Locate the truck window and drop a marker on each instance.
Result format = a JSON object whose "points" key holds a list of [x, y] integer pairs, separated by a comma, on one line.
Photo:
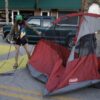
{"points": [[47, 23], [35, 22]]}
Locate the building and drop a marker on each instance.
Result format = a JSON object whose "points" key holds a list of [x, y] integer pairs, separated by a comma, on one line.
{"points": [[37, 8]]}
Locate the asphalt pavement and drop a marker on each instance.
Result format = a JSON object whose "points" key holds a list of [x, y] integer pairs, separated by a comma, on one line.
{"points": [[21, 86]]}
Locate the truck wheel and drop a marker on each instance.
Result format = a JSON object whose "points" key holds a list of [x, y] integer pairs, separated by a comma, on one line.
{"points": [[9, 39], [5, 34]]}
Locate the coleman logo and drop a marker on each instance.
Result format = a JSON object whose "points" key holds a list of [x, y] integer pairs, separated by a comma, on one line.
{"points": [[73, 80]]}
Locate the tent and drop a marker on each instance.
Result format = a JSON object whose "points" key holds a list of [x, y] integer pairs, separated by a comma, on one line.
{"points": [[64, 70]]}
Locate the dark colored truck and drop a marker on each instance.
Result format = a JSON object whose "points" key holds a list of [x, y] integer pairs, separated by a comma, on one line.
{"points": [[61, 33]]}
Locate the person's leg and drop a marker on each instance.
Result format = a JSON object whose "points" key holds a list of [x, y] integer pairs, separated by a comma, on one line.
{"points": [[16, 56], [27, 51]]}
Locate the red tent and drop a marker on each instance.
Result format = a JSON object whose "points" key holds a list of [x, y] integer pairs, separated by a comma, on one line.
{"points": [[63, 70]]}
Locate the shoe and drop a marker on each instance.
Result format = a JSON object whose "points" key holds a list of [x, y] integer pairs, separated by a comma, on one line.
{"points": [[15, 66]]}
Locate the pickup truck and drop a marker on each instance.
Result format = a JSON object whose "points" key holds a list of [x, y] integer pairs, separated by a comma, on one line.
{"points": [[60, 33]]}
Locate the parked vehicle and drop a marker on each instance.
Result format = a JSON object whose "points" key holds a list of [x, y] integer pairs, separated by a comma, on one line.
{"points": [[62, 33]]}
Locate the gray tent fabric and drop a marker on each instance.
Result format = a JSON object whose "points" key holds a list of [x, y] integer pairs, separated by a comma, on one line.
{"points": [[71, 87], [41, 77], [86, 41], [89, 25]]}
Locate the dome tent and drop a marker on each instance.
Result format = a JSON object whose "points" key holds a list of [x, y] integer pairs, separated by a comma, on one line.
{"points": [[64, 70]]}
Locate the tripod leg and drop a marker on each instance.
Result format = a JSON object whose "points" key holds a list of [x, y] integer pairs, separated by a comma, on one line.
{"points": [[9, 51]]}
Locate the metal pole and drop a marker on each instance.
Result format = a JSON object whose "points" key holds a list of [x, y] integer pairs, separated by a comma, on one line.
{"points": [[7, 12], [36, 4]]}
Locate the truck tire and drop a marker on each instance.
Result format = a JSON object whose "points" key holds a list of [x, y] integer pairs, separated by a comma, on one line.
{"points": [[9, 39]]}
